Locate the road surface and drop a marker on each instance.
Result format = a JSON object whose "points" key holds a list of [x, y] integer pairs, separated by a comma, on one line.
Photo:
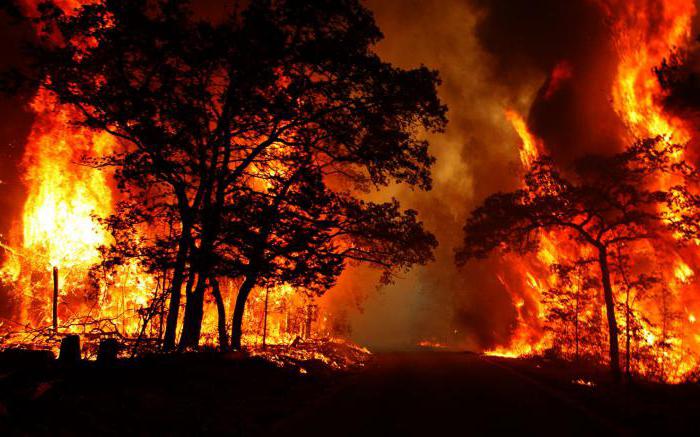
{"points": [[434, 394], [396, 394]]}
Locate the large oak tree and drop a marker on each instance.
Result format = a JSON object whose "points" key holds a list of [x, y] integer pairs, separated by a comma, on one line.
{"points": [[204, 110]]}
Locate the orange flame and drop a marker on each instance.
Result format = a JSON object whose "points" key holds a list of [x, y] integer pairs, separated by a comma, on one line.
{"points": [[529, 144], [644, 34], [58, 229]]}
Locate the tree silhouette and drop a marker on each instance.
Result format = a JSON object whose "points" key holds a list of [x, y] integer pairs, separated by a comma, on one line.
{"points": [[566, 303], [602, 203], [635, 287], [299, 232], [205, 111]]}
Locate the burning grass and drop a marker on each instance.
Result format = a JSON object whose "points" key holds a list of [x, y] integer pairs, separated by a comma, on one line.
{"points": [[333, 354]]}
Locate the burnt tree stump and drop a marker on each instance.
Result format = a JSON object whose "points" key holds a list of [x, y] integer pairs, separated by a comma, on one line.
{"points": [[54, 303], [70, 350], [108, 350]]}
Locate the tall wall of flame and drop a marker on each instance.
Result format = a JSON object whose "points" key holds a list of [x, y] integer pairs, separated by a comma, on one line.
{"points": [[57, 228], [62, 195]]}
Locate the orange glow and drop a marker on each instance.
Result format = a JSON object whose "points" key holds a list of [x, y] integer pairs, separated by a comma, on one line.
{"points": [[58, 229], [562, 72], [62, 195], [644, 33], [431, 344], [529, 145]]}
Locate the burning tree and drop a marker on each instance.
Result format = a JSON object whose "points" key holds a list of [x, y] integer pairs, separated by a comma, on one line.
{"points": [[604, 202], [567, 305], [299, 232], [243, 141], [635, 288]]}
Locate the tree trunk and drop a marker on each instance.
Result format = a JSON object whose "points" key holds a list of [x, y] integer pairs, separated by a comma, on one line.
{"points": [[161, 306], [194, 305], [309, 320], [175, 292], [610, 312], [576, 332], [628, 355], [264, 337], [576, 315], [239, 310], [54, 303], [194, 311], [221, 310]]}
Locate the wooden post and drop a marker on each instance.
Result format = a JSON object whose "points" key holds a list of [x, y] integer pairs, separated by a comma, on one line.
{"points": [[161, 310], [267, 295], [310, 310], [55, 299]]}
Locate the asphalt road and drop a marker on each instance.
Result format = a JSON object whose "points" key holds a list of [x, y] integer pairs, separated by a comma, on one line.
{"points": [[434, 394]]}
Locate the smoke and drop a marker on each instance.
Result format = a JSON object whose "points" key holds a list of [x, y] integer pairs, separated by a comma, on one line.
{"points": [[476, 156], [553, 62], [16, 120]]}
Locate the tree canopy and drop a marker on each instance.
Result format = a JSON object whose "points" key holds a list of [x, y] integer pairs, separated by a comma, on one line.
{"points": [[250, 138], [602, 202]]}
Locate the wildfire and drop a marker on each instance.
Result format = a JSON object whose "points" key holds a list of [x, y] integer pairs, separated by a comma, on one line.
{"points": [[636, 98], [63, 196], [644, 34], [529, 146], [58, 229], [642, 46]]}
